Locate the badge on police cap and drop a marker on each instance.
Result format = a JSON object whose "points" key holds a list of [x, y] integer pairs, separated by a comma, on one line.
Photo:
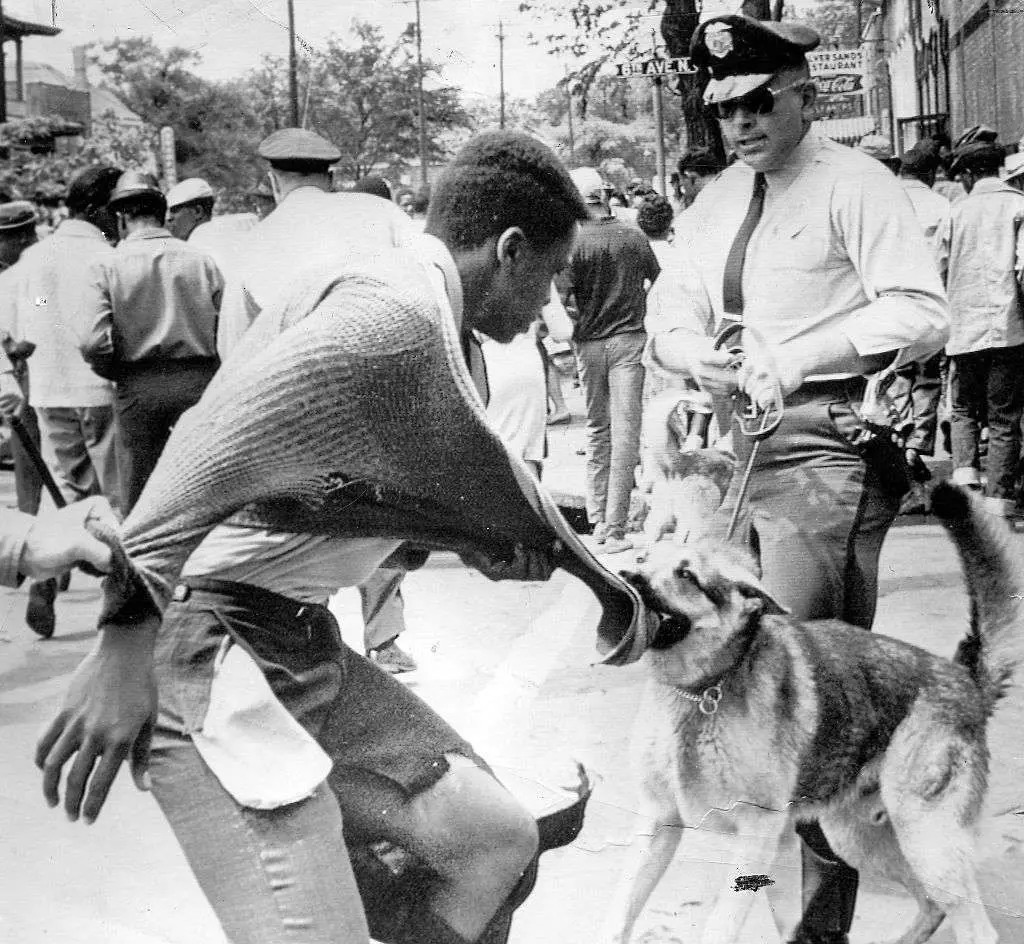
{"points": [[718, 39]]}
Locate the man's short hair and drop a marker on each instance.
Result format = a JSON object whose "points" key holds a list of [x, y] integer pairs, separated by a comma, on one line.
{"points": [[91, 189], [700, 161], [502, 179], [654, 216]]}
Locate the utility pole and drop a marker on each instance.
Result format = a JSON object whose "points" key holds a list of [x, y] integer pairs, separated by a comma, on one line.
{"points": [[419, 97], [659, 123], [572, 138], [501, 74], [293, 68], [3, 68]]}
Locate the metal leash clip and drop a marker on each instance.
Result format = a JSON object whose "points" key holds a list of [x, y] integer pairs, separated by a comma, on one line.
{"points": [[754, 423]]}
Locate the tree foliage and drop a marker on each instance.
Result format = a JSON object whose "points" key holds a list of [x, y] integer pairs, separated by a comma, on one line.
{"points": [[38, 164], [362, 95], [835, 20], [599, 33]]}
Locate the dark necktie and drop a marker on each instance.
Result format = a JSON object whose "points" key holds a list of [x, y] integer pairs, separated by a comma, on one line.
{"points": [[732, 281]]}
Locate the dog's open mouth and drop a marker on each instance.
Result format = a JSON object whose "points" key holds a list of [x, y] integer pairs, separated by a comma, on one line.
{"points": [[672, 628]]}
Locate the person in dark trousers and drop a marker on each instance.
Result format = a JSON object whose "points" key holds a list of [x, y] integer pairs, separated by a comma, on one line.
{"points": [[612, 269], [151, 308], [814, 249]]}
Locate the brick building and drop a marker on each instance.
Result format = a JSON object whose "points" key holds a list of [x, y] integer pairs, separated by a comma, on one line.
{"points": [[946, 64]]}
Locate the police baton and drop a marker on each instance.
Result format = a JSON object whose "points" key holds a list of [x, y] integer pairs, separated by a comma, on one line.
{"points": [[30, 447]]}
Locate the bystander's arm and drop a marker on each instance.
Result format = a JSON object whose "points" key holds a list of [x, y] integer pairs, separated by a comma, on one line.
{"points": [[97, 344]]}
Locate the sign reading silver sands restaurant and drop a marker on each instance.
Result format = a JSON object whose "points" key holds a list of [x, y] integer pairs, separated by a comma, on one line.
{"points": [[839, 74]]}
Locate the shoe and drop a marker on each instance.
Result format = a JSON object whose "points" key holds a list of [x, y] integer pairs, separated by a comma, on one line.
{"points": [[562, 416], [616, 544], [392, 659], [600, 532], [810, 937], [39, 614]]}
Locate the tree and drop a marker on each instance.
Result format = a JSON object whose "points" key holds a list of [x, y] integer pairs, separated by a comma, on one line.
{"points": [[216, 129], [602, 32], [36, 163], [835, 20], [362, 96]]}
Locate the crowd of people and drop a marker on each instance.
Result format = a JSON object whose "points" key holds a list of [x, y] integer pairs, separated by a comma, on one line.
{"points": [[278, 409]]}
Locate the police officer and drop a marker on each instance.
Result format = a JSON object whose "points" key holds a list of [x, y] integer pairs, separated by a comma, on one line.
{"points": [[815, 250], [310, 227]]}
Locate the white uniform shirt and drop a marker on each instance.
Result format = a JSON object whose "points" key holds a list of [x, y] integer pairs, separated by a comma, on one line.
{"points": [[986, 256], [837, 247], [44, 305], [933, 212], [307, 230]]}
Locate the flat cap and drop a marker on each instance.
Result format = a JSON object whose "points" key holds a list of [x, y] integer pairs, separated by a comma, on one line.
{"points": [[16, 215], [922, 158], [298, 146], [742, 53], [969, 156], [187, 190], [589, 183], [1014, 166], [877, 146]]}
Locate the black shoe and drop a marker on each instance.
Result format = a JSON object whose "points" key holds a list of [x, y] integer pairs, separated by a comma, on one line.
{"points": [[39, 613]]}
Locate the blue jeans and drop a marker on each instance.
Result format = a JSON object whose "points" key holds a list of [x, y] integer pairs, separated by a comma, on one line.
{"points": [[613, 380]]}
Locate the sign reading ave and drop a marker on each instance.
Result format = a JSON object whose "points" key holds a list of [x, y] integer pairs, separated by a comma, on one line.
{"points": [[655, 67]]}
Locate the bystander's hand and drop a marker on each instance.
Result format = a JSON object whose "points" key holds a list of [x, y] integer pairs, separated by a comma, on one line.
{"points": [[58, 540], [11, 398]]}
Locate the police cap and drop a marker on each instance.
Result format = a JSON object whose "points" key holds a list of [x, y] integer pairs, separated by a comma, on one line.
{"points": [[742, 53], [298, 146], [16, 216]]}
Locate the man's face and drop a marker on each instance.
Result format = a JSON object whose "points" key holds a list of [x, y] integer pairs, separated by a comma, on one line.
{"points": [[407, 202], [520, 287], [183, 219], [762, 138]]}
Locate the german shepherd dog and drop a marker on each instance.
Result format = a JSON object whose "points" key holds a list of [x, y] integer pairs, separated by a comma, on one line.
{"points": [[776, 721]]}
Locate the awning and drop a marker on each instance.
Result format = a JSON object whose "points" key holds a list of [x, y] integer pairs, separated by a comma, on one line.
{"points": [[847, 130]]}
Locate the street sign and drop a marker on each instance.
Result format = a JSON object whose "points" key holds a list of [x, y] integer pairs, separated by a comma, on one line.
{"points": [[839, 75], [651, 68]]}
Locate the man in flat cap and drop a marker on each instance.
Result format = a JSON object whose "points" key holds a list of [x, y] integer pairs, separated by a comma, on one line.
{"points": [[149, 324], [986, 345], [309, 227], [814, 250]]}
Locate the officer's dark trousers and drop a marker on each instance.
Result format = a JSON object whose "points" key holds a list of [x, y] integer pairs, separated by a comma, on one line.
{"points": [[150, 398], [816, 516]]}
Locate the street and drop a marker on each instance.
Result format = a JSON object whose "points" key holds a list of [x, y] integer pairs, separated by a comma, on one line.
{"points": [[511, 665]]}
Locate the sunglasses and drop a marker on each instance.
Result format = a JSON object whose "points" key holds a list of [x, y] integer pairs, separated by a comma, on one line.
{"points": [[761, 101]]}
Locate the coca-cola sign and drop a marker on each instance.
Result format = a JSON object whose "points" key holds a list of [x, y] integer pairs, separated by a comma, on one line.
{"points": [[839, 84]]}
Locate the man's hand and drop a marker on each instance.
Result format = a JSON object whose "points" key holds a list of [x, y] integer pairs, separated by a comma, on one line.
{"points": [[59, 539], [526, 564], [765, 373], [107, 717], [11, 398], [694, 356]]}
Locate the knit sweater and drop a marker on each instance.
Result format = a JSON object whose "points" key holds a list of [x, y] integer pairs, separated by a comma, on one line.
{"points": [[348, 410]]}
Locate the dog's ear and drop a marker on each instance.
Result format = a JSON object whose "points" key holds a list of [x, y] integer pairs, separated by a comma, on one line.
{"points": [[750, 587]]}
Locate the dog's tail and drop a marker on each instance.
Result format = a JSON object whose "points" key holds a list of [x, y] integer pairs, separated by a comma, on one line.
{"points": [[994, 572]]}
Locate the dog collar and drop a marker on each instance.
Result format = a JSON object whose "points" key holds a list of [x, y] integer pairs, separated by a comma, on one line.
{"points": [[707, 701]]}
